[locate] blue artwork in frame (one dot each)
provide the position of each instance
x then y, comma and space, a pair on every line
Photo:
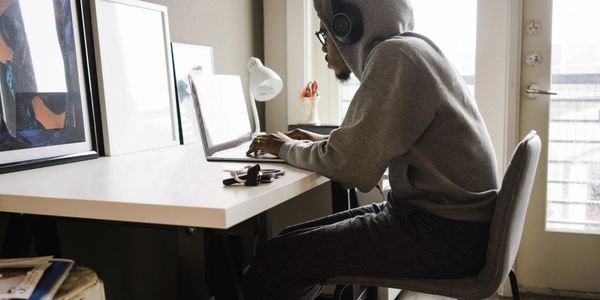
47, 112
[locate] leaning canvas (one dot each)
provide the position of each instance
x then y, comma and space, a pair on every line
135, 73
189, 59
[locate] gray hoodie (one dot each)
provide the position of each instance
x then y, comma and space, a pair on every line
413, 114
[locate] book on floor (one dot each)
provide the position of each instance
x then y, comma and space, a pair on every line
52, 279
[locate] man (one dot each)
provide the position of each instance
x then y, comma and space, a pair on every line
413, 115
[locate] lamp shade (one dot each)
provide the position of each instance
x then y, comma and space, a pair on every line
265, 84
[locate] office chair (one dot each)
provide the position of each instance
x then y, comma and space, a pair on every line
505, 236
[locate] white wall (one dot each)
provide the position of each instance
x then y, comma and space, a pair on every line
276, 59
234, 28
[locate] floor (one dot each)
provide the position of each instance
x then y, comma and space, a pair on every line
407, 295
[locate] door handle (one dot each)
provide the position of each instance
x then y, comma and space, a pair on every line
533, 90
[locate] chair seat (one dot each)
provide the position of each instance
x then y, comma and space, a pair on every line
463, 288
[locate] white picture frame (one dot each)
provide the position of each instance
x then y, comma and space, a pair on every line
135, 76
189, 59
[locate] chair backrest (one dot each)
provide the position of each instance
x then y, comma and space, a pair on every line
509, 213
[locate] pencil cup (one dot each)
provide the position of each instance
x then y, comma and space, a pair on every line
310, 110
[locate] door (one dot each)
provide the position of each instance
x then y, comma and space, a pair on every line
560, 248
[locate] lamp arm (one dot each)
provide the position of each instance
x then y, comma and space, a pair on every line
255, 113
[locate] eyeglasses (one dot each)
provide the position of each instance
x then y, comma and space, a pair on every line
322, 36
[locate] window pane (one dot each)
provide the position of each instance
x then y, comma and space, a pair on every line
454, 33
574, 138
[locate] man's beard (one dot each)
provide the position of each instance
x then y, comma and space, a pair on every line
343, 77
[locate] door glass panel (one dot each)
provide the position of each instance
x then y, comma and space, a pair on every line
573, 193
455, 33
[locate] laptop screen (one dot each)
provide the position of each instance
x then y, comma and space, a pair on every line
221, 110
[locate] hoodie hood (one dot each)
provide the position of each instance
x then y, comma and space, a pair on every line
382, 19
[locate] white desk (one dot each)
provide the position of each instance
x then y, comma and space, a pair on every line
171, 186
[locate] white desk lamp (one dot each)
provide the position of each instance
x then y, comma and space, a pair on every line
265, 85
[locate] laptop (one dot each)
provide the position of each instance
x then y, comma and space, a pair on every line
223, 118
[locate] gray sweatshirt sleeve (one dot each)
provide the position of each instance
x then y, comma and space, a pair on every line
386, 117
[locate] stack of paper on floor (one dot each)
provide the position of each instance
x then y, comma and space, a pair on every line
32, 278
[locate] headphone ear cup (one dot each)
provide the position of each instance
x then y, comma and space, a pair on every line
346, 24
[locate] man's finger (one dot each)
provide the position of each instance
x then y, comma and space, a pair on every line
252, 148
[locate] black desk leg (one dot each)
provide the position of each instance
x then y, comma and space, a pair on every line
339, 198
260, 232
192, 280
17, 238
225, 266
45, 235
230, 252
22, 228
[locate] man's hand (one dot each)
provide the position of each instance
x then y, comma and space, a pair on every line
265, 143
300, 134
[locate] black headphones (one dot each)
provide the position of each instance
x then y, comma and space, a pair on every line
346, 24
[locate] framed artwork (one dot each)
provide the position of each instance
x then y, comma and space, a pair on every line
47, 114
188, 60
135, 76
